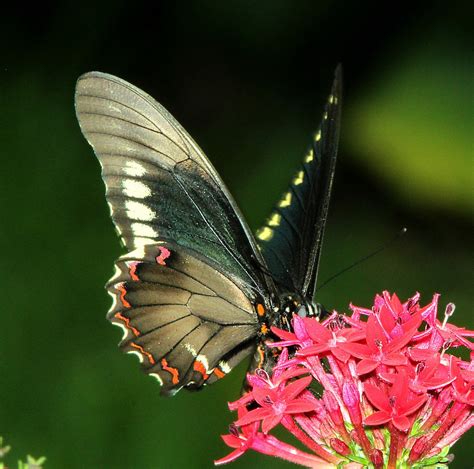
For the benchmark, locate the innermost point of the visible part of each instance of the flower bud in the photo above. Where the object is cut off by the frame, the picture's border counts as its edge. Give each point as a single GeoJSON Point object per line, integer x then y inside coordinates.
{"type": "Point", "coordinates": [376, 456]}
{"type": "Point", "coordinates": [340, 447]}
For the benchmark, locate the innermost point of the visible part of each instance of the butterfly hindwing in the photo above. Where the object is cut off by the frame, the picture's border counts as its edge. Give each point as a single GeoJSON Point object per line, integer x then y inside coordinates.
{"type": "Point", "coordinates": [292, 236]}
{"type": "Point", "coordinates": [184, 319]}
{"type": "Point", "coordinates": [159, 184]}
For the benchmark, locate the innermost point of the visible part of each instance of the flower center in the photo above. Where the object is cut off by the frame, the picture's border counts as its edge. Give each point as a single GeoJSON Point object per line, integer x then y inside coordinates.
{"type": "Point", "coordinates": [279, 407]}
{"type": "Point", "coordinates": [336, 339]}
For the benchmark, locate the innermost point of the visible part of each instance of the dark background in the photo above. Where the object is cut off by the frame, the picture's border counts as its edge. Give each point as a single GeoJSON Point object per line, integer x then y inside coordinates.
{"type": "Point", "coordinates": [248, 80]}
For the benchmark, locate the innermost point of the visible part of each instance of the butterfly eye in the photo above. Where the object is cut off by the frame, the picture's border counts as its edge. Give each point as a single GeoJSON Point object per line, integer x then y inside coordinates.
{"type": "Point", "coordinates": [303, 311]}
{"type": "Point", "coordinates": [309, 310]}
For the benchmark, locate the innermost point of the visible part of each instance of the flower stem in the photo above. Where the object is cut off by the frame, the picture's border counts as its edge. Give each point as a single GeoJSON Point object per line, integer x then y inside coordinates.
{"type": "Point", "coordinates": [293, 428]}
{"type": "Point", "coordinates": [394, 445]}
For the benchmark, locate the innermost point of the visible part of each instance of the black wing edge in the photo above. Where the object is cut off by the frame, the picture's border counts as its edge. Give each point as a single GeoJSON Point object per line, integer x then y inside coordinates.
{"type": "Point", "coordinates": [330, 130]}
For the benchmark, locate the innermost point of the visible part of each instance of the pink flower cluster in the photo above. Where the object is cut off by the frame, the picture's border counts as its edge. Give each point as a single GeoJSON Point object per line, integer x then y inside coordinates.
{"type": "Point", "coordinates": [378, 388]}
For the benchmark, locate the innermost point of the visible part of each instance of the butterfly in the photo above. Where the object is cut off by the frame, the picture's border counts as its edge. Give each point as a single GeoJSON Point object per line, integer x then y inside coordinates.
{"type": "Point", "coordinates": [196, 292]}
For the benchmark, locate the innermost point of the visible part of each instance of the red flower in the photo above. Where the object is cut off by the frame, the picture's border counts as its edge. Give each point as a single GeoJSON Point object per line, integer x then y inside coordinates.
{"type": "Point", "coordinates": [419, 394]}
{"type": "Point", "coordinates": [332, 339]}
{"type": "Point", "coordinates": [276, 403]}
{"type": "Point", "coordinates": [456, 336]}
{"type": "Point", "coordinates": [381, 349]}
{"type": "Point", "coordinates": [241, 441]}
{"type": "Point", "coordinates": [463, 386]}
{"type": "Point", "coordinates": [427, 375]}
{"type": "Point", "coordinates": [395, 405]}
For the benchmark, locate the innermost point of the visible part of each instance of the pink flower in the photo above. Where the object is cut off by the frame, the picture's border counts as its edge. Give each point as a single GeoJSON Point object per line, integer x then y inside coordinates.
{"type": "Point", "coordinates": [275, 403]}
{"type": "Point", "coordinates": [381, 347]}
{"type": "Point", "coordinates": [395, 404]}
{"type": "Point", "coordinates": [333, 338]}
{"type": "Point", "coordinates": [250, 438]}
{"type": "Point", "coordinates": [381, 371]}
{"type": "Point", "coordinates": [240, 441]}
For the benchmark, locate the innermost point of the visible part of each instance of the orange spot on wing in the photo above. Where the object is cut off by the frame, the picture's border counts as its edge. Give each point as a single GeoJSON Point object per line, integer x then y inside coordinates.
{"type": "Point", "coordinates": [126, 321]}
{"type": "Point", "coordinates": [164, 254]}
{"type": "Point", "coordinates": [200, 368]}
{"type": "Point", "coordinates": [219, 373]}
{"type": "Point", "coordinates": [264, 329]}
{"type": "Point", "coordinates": [121, 288]}
{"type": "Point", "coordinates": [132, 270]}
{"type": "Point", "coordinates": [260, 309]}
{"type": "Point", "coordinates": [143, 351]}
{"type": "Point", "coordinates": [174, 371]}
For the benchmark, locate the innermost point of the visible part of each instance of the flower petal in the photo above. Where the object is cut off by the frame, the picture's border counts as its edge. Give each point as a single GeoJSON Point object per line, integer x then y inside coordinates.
{"type": "Point", "coordinates": [413, 404]}
{"type": "Point", "coordinates": [301, 406]}
{"type": "Point", "coordinates": [312, 350]}
{"type": "Point", "coordinates": [265, 395]}
{"type": "Point", "coordinates": [230, 457]}
{"type": "Point", "coordinates": [410, 330]}
{"type": "Point", "coordinates": [357, 350]}
{"type": "Point", "coordinates": [419, 354]}
{"type": "Point", "coordinates": [377, 397]}
{"type": "Point", "coordinates": [374, 334]}
{"type": "Point", "coordinates": [353, 335]}
{"type": "Point", "coordinates": [366, 366]}
{"type": "Point", "coordinates": [377, 418]}
{"type": "Point", "coordinates": [295, 388]}
{"type": "Point", "coordinates": [401, 422]}
{"type": "Point", "coordinates": [291, 373]}
{"type": "Point", "coordinates": [317, 331]}
{"type": "Point", "coordinates": [394, 359]}
{"type": "Point", "coordinates": [232, 441]}
{"type": "Point", "coordinates": [270, 422]}
{"type": "Point", "coordinates": [253, 416]}
{"type": "Point", "coordinates": [340, 354]}
{"type": "Point", "coordinates": [282, 334]}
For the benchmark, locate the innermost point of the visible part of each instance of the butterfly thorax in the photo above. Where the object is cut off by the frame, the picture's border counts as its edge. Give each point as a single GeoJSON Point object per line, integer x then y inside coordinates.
{"type": "Point", "coordinates": [288, 306]}
{"type": "Point", "coordinates": [283, 310]}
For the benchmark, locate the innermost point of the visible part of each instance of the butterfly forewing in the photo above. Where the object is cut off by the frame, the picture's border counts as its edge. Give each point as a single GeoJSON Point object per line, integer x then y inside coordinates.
{"type": "Point", "coordinates": [292, 236]}
{"type": "Point", "coordinates": [159, 184]}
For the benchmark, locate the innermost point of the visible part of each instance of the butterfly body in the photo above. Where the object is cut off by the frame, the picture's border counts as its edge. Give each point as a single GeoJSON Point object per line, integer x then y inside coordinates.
{"type": "Point", "coordinates": [196, 292]}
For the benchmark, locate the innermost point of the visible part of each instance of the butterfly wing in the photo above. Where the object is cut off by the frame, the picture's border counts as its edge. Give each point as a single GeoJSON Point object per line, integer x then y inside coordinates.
{"type": "Point", "coordinates": [292, 236]}
{"type": "Point", "coordinates": [187, 322]}
{"type": "Point", "coordinates": [159, 184]}
{"type": "Point", "coordinates": [191, 317]}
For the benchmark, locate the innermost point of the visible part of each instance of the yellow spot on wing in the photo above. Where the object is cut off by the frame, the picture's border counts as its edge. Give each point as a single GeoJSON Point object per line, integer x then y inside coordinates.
{"type": "Point", "coordinates": [317, 137]}
{"type": "Point", "coordinates": [325, 115]}
{"type": "Point", "coordinates": [265, 233]}
{"type": "Point", "coordinates": [286, 200]}
{"type": "Point", "coordinates": [274, 220]}
{"type": "Point", "coordinates": [309, 157]}
{"type": "Point", "coordinates": [331, 99]}
{"type": "Point", "coordinates": [298, 178]}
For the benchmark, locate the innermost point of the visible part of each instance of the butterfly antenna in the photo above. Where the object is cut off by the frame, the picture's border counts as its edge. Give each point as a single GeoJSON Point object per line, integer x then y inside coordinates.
{"type": "Point", "coordinates": [363, 259]}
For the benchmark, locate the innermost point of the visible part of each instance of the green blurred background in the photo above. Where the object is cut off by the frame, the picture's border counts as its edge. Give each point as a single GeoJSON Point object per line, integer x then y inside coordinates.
{"type": "Point", "coordinates": [248, 80]}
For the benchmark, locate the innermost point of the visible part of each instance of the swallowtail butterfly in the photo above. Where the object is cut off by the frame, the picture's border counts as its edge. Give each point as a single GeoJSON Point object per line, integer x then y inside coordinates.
{"type": "Point", "coordinates": [197, 292]}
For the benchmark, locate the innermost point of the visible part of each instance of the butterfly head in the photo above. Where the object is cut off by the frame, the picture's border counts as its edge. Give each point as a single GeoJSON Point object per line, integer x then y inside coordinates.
{"type": "Point", "coordinates": [291, 305]}
{"type": "Point", "coordinates": [312, 310]}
